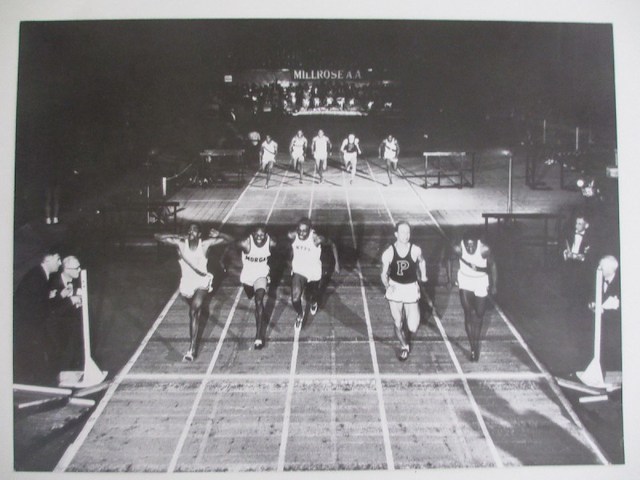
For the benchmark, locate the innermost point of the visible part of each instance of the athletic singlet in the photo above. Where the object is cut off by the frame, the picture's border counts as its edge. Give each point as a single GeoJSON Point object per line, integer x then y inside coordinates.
{"type": "Point", "coordinates": [321, 145]}
{"type": "Point", "coordinates": [255, 263]}
{"type": "Point", "coordinates": [350, 147]}
{"type": "Point", "coordinates": [298, 143]}
{"type": "Point", "coordinates": [269, 148]}
{"type": "Point", "coordinates": [197, 258]}
{"type": "Point", "coordinates": [403, 269]}
{"type": "Point", "coordinates": [390, 148]}
{"type": "Point", "coordinates": [306, 257]}
{"type": "Point", "coordinates": [477, 260]}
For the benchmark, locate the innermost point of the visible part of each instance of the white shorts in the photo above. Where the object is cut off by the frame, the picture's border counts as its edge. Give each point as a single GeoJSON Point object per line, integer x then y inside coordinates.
{"type": "Point", "coordinates": [297, 154]}
{"type": "Point", "coordinates": [258, 283]}
{"type": "Point", "coordinates": [189, 284]}
{"type": "Point", "coordinates": [250, 276]}
{"type": "Point", "coordinates": [392, 159]}
{"type": "Point", "coordinates": [403, 292]}
{"type": "Point", "coordinates": [266, 160]}
{"type": "Point", "coordinates": [312, 272]}
{"type": "Point", "coordinates": [320, 157]}
{"type": "Point", "coordinates": [350, 157]}
{"type": "Point", "coordinates": [478, 285]}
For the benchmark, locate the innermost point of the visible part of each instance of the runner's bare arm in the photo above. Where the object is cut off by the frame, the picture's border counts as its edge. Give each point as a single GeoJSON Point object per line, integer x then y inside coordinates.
{"type": "Point", "coordinates": [319, 239]}
{"type": "Point", "coordinates": [384, 274]}
{"type": "Point", "coordinates": [169, 238]}
{"type": "Point", "coordinates": [493, 273]}
{"type": "Point", "coordinates": [244, 245]}
{"type": "Point", "coordinates": [216, 238]}
{"type": "Point", "coordinates": [422, 265]}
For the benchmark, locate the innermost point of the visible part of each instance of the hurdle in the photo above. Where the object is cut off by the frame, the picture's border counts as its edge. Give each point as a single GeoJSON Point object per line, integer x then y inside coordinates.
{"type": "Point", "coordinates": [460, 175]}
{"type": "Point", "coordinates": [91, 375]}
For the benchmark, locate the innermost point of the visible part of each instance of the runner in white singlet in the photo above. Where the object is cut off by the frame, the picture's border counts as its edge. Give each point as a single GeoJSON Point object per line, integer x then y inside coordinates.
{"type": "Point", "coordinates": [298, 149]}
{"type": "Point", "coordinates": [389, 150]}
{"type": "Point", "coordinates": [256, 250]}
{"type": "Point", "coordinates": [268, 152]}
{"type": "Point", "coordinates": [477, 278]}
{"type": "Point", "coordinates": [321, 148]}
{"type": "Point", "coordinates": [195, 281]}
{"type": "Point", "coordinates": [350, 149]}
{"type": "Point", "coordinates": [306, 266]}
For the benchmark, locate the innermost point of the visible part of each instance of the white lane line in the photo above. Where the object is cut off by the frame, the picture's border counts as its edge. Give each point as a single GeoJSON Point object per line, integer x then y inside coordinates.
{"type": "Point", "coordinates": [202, 388]}
{"type": "Point", "coordinates": [372, 347]}
{"type": "Point", "coordinates": [286, 420]}
{"type": "Point", "coordinates": [426, 209]}
{"type": "Point", "coordinates": [207, 431]}
{"type": "Point", "coordinates": [554, 387]}
{"type": "Point", "coordinates": [73, 449]}
{"type": "Point", "coordinates": [335, 377]}
{"type": "Point", "coordinates": [287, 406]}
{"type": "Point", "coordinates": [547, 375]}
{"type": "Point", "coordinates": [492, 448]}
{"type": "Point", "coordinates": [205, 381]}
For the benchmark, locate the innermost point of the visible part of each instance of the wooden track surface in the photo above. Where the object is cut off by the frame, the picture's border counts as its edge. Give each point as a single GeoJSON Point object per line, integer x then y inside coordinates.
{"type": "Point", "coordinates": [334, 397]}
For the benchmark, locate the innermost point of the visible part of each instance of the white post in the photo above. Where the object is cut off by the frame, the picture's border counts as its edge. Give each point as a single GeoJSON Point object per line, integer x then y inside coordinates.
{"type": "Point", "coordinates": [510, 195]}
{"type": "Point", "coordinates": [598, 316]}
{"type": "Point", "coordinates": [577, 138]}
{"type": "Point", "coordinates": [592, 375]}
{"type": "Point", "coordinates": [91, 375]}
{"type": "Point", "coordinates": [164, 186]}
{"type": "Point", "coordinates": [544, 131]}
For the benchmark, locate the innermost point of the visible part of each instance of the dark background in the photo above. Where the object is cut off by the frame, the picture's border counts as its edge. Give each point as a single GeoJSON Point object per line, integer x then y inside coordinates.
{"type": "Point", "coordinates": [97, 96]}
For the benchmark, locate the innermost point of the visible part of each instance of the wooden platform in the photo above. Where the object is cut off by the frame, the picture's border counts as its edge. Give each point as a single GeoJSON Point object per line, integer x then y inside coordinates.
{"type": "Point", "coordinates": [335, 397]}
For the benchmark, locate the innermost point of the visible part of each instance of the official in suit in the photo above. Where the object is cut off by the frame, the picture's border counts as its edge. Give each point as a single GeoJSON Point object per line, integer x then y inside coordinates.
{"type": "Point", "coordinates": [611, 352]}
{"type": "Point", "coordinates": [64, 326]}
{"type": "Point", "coordinates": [577, 257]}
{"type": "Point", "coordinates": [31, 307]}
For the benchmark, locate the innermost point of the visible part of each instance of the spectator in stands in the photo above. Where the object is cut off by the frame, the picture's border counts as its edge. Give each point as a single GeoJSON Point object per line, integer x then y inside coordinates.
{"type": "Point", "coordinates": [31, 309]}
{"type": "Point", "coordinates": [65, 320]}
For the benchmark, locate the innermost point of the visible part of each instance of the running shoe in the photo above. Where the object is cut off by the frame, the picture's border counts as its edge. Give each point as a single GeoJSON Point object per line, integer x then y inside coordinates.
{"type": "Point", "coordinates": [257, 345]}
{"type": "Point", "coordinates": [188, 357]}
{"type": "Point", "coordinates": [298, 324]}
{"type": "Point", "coordinates": [404, 354]}
{"type": "Point", "coordinates": [314, 308]}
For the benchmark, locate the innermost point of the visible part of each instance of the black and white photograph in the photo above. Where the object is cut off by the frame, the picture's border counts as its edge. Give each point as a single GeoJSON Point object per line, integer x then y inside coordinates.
{"type": "Point", "coordinates": [272, 239]}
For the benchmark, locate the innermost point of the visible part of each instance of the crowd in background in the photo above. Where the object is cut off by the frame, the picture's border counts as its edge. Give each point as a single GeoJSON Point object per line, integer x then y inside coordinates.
{"type": "Point", "coordinates": [279, 97]}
